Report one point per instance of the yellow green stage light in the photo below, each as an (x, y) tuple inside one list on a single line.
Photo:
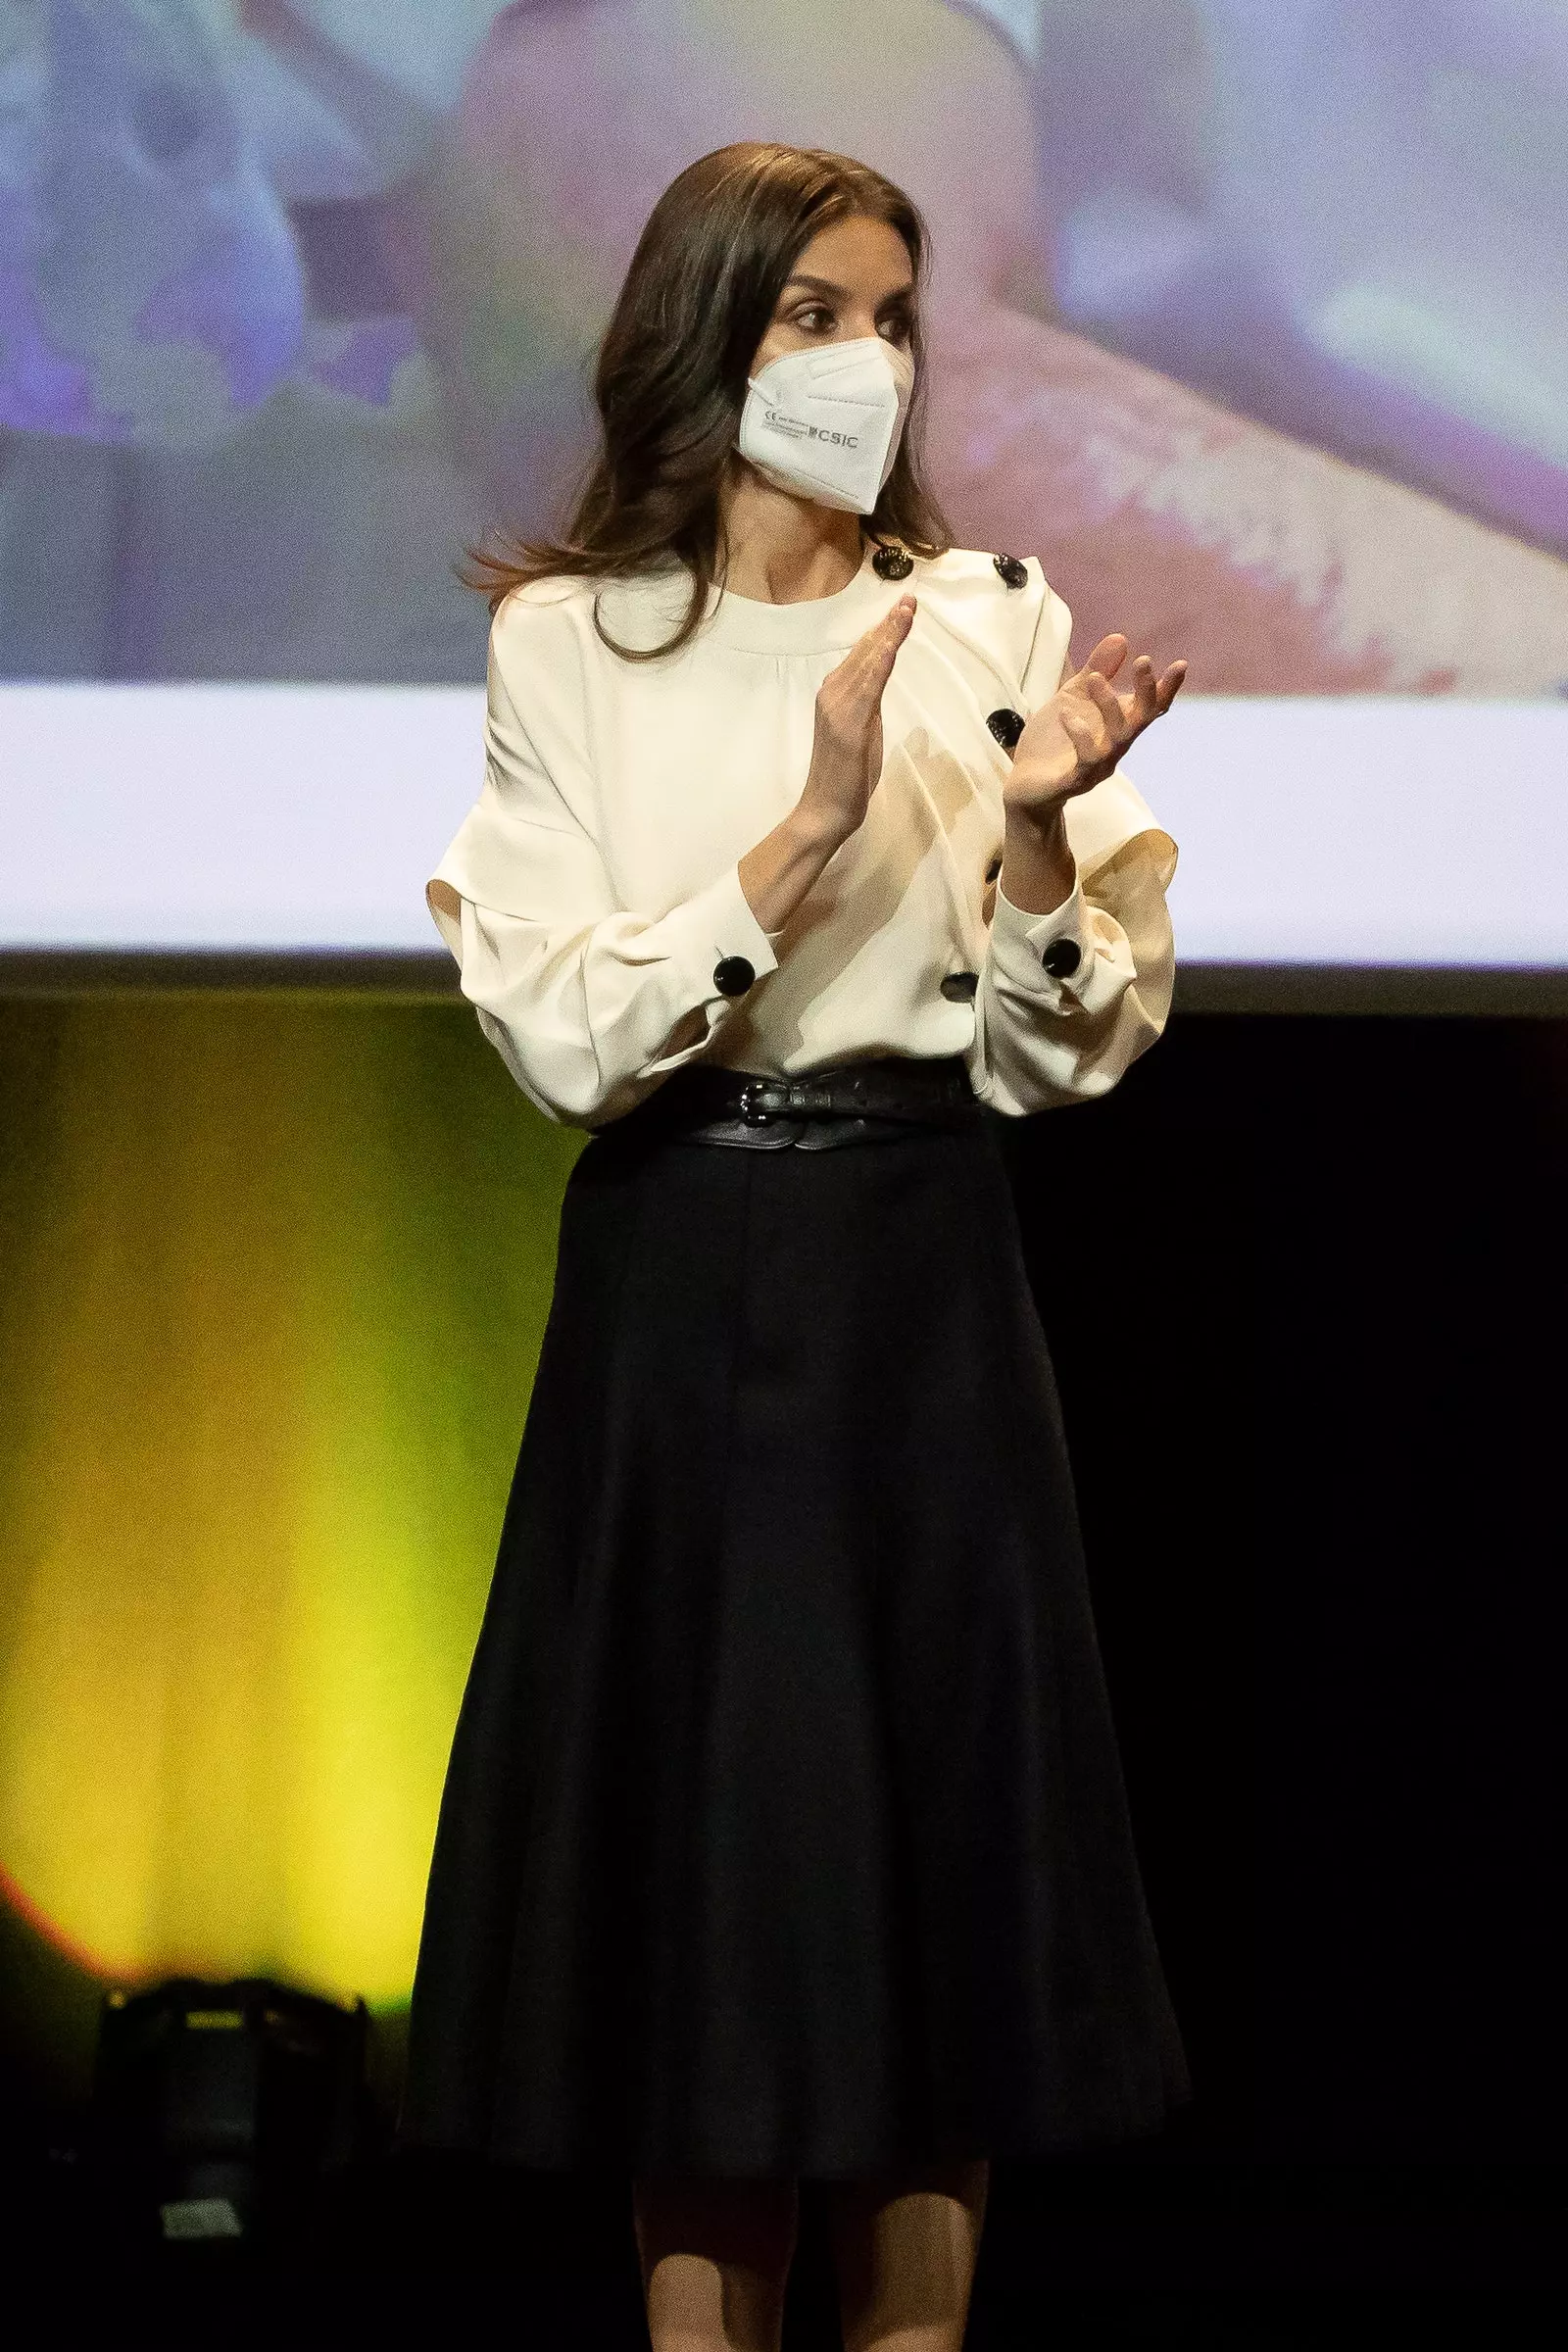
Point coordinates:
[(277, 1273)]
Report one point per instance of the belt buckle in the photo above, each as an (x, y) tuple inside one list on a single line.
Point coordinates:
[(763, 1100)]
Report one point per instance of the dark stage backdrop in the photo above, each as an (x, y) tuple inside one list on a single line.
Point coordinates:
[(1305, 1285), (1303, 1280)]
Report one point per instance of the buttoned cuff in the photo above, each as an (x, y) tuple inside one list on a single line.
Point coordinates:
[(1044, 956), (717, 943)]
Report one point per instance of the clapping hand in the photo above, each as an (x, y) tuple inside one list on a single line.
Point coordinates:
[(846, 746), (1073, 740)]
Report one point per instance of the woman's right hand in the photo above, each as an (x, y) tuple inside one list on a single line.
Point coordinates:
[(846, 764), (846, 749)]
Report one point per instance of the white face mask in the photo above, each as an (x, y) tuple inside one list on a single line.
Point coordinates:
[(826, 423)]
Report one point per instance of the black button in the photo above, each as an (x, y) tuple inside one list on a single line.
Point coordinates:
[(959, 987), (1007, 726), (1015, 574), (733, 975), (993, 869), (892, 563), (1062, 958)]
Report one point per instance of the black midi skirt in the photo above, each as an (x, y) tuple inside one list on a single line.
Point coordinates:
[(784, 1831)]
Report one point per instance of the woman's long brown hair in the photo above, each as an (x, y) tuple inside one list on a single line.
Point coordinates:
[(703, 283)]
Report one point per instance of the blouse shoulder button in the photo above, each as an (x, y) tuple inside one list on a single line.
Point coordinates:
[(1014, 575), (733, 975), (1062, 957), (893, 563)]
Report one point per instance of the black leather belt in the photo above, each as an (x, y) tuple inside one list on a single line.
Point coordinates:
[(859, 1103)]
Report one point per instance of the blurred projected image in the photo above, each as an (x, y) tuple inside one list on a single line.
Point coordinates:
[(1251, 320)]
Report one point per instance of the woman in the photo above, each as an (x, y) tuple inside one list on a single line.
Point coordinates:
[(784, 1832)]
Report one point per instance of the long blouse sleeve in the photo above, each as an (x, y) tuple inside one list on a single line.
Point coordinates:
[(589, 1004), (1069, 999)]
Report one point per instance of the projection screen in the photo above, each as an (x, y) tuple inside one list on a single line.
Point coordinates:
[(1251, 322)]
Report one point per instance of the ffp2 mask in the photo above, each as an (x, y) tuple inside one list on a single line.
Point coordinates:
[(827, 422)]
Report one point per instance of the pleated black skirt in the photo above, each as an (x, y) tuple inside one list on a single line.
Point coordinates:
[(784, 1831)]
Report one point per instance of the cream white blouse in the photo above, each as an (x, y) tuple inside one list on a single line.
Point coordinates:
[(591, 896)]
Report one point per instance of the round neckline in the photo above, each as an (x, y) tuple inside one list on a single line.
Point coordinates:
[(812, 624)]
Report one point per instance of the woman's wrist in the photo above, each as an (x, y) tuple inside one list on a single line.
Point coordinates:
[(776, 874), (1039, 872), (817, 831)]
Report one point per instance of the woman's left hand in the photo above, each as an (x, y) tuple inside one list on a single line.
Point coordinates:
[(1075, 740)]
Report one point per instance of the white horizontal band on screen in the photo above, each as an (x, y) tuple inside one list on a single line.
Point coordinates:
[(302, 820)]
